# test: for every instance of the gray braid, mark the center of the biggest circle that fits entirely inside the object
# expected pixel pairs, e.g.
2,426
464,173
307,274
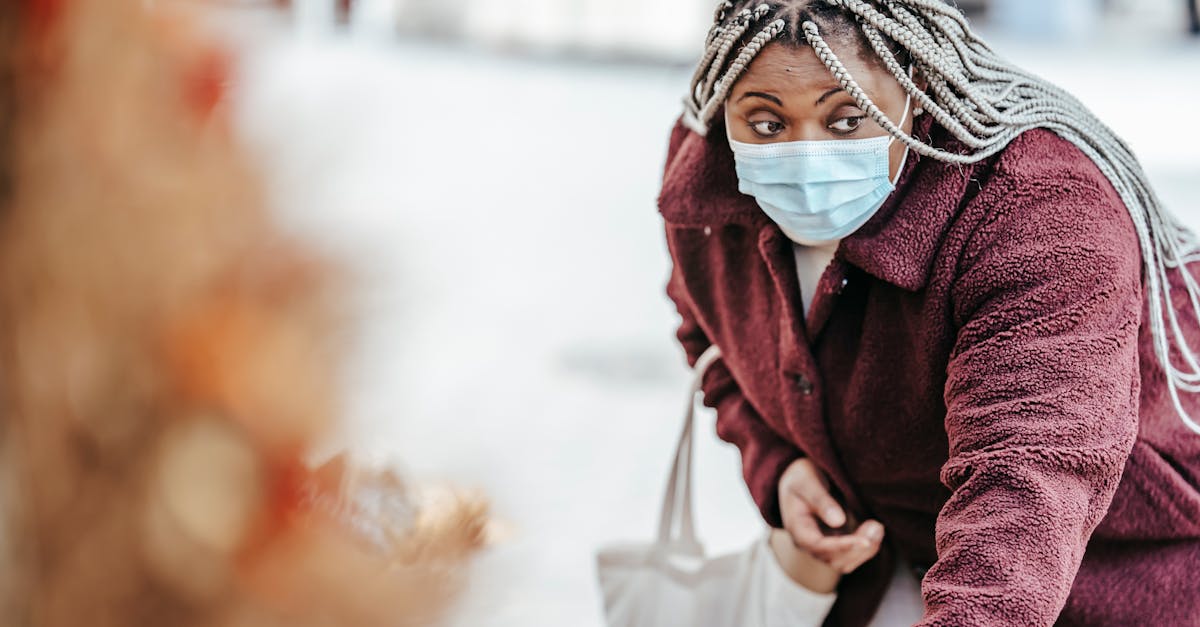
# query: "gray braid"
985,102
741,62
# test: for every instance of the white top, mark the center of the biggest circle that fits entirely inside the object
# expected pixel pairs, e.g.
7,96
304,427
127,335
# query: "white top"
811,262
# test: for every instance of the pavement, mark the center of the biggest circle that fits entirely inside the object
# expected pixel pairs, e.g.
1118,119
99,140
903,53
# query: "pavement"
512,335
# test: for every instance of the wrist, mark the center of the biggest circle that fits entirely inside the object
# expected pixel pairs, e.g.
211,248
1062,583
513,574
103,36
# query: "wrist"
801,566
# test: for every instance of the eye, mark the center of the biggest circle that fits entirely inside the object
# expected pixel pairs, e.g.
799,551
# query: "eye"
766,128
845,126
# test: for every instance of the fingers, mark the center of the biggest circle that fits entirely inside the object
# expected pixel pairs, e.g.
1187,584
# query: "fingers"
818,498
845,552
866,541
809,487
834,550
807,536
808,508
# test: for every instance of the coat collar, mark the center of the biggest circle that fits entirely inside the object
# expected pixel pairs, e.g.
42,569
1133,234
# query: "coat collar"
897,245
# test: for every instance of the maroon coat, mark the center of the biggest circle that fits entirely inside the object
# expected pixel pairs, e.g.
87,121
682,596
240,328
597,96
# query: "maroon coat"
973,373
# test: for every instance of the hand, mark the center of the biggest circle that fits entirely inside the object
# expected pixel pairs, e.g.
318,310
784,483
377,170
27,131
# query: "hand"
804,501
800,566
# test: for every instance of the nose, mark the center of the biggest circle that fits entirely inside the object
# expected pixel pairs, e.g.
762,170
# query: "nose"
810,130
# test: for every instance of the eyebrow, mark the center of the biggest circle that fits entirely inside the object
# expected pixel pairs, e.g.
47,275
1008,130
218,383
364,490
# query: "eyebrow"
828,94
759,94
764,96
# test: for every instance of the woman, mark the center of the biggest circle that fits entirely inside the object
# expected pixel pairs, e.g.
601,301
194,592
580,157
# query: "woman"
949,307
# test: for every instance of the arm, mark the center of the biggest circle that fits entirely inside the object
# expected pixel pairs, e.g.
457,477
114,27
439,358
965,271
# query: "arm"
1041,402
765,455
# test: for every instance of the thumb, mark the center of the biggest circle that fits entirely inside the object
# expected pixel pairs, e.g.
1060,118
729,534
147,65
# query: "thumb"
812,491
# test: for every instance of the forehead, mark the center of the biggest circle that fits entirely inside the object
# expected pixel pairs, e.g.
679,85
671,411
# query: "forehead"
782,69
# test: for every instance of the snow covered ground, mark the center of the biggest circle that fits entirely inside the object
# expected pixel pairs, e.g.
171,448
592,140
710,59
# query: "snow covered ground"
514,336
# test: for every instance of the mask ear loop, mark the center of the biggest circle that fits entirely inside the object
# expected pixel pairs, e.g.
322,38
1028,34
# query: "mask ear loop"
907,108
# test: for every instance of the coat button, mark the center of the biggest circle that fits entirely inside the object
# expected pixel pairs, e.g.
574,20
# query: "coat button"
804,384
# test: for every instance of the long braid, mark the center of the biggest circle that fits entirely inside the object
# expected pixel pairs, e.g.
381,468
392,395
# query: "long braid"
718,17
985,102
742,61
719,48
715,33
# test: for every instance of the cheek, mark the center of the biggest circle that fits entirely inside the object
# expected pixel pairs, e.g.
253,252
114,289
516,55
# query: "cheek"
729,128
732,129
896,157
897,151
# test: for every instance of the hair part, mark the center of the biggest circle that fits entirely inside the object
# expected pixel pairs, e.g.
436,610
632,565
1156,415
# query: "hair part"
741,30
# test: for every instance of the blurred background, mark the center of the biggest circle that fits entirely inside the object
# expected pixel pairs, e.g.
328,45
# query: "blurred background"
488,170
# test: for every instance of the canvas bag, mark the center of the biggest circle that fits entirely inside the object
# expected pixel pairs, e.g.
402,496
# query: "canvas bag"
671,582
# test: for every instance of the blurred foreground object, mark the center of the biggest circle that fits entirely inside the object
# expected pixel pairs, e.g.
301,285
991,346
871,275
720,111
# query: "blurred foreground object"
166,360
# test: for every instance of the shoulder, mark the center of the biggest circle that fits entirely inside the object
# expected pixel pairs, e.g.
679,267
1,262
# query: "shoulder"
1048,225
700,185
1044,189
1043,154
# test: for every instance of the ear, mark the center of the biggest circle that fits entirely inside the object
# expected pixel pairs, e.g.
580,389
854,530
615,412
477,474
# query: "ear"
920,80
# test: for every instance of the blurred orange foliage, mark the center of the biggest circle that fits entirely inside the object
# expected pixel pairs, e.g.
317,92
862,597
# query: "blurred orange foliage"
166,359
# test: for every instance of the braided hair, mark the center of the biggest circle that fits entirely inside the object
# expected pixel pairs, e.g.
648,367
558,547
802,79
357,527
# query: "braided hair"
980,98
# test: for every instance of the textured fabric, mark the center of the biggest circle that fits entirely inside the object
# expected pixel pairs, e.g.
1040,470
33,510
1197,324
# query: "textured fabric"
973,373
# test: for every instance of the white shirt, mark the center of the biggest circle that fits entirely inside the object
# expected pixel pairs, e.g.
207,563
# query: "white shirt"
811,262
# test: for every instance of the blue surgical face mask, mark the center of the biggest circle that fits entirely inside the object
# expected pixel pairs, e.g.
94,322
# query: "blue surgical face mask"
818,191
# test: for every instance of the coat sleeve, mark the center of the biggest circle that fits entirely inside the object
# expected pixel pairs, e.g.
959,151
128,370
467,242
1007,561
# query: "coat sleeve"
765,455
1041,401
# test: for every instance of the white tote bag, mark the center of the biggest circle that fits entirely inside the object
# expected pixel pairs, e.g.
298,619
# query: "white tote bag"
671,583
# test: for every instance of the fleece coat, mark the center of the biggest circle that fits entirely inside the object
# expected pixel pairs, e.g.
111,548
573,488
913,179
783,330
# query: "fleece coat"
974,372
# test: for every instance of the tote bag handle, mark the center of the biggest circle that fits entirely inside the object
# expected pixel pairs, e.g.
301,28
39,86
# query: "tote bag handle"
677,526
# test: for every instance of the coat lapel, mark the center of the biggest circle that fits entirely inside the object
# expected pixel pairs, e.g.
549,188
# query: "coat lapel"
807,424
899,243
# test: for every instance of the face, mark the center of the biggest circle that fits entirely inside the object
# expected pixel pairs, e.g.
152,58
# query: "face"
787,94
